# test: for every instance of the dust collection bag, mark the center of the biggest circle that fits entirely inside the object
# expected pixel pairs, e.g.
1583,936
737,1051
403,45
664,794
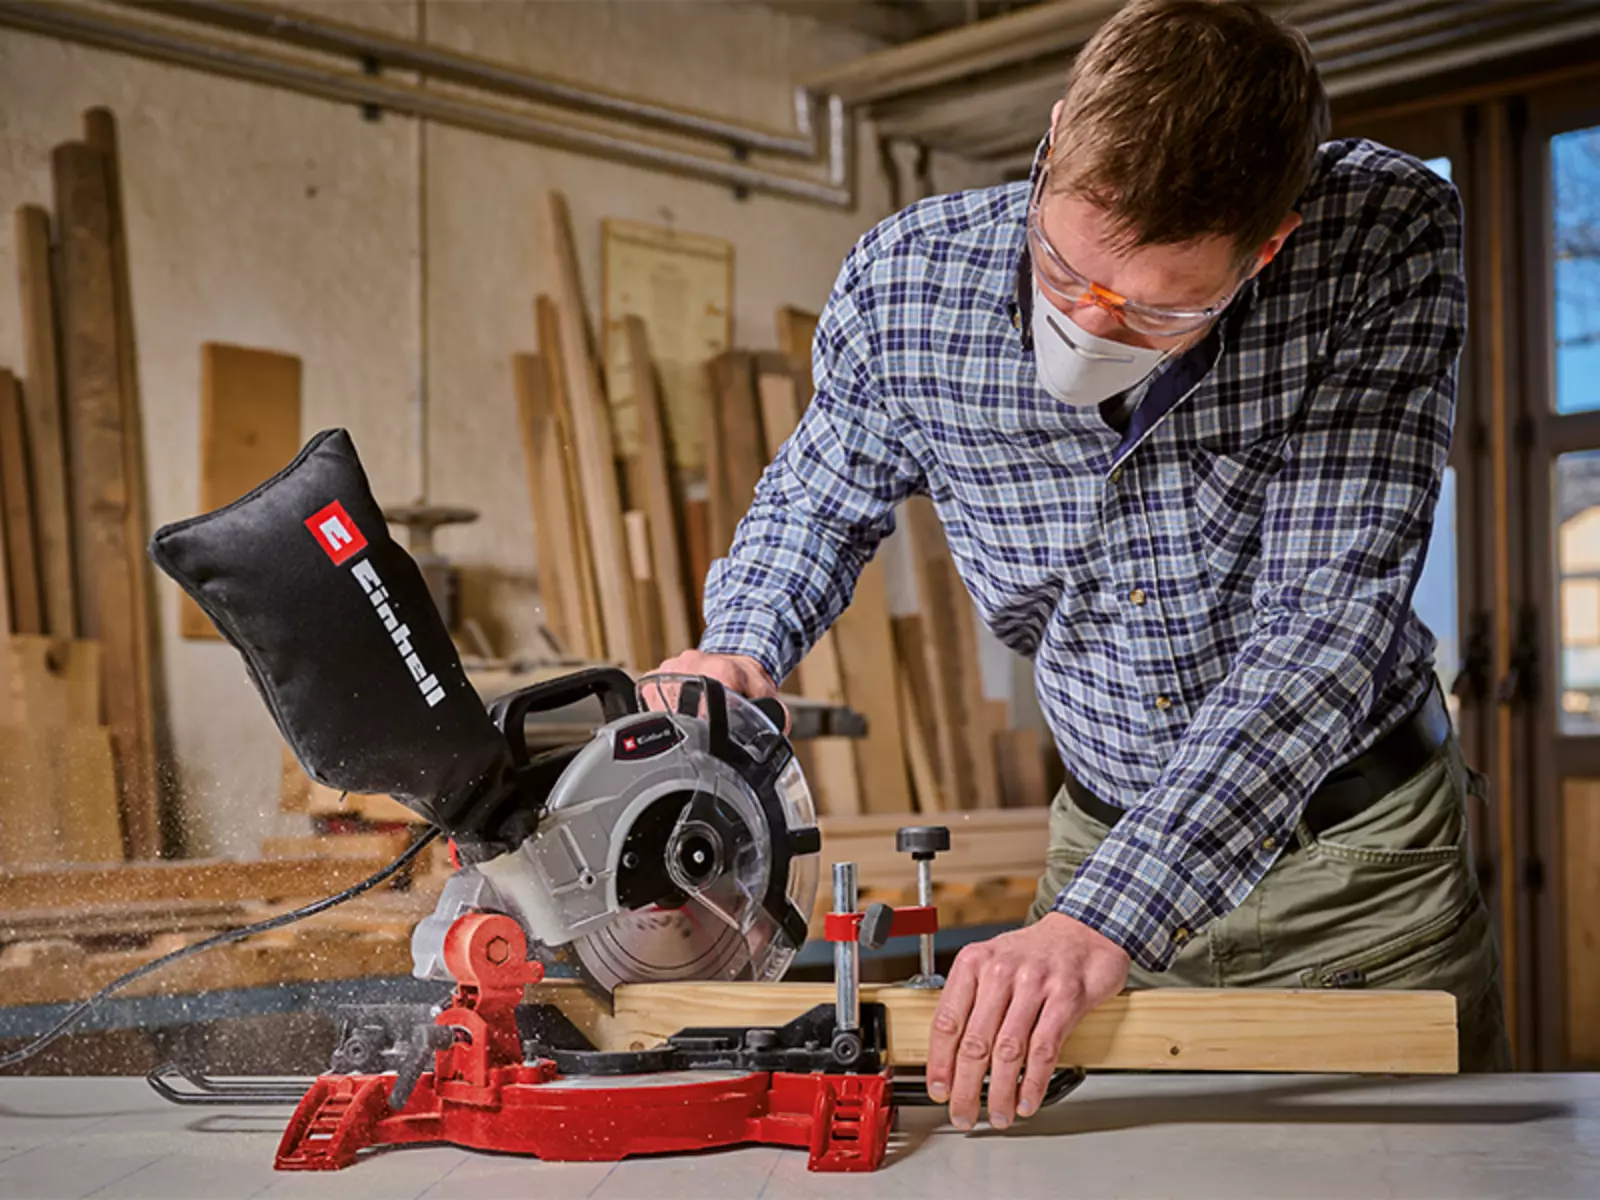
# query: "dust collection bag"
341,636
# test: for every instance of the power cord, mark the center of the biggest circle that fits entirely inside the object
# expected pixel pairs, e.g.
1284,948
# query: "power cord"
231,935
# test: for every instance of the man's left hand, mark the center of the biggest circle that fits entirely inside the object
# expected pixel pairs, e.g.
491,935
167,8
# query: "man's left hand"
1008,1004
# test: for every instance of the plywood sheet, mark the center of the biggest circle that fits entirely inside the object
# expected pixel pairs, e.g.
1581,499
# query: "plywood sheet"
249,431
681,285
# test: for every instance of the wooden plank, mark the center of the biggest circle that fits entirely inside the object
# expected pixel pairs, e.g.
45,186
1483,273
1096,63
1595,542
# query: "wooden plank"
990,844
42,403
1162,1029
1019,759
919,759
833,764
106,920
591,432
697,552
554,530
136,742
588,629
24,602
872,687
646,589
950,651
183,879
658,496
1580,908
797,330
58,796
49,681
108,591
249,431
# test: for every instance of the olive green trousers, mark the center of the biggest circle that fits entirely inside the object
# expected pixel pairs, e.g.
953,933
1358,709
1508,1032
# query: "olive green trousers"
1387,899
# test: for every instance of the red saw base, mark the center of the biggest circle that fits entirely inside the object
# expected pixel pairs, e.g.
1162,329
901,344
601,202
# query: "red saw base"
481,1095
843,1120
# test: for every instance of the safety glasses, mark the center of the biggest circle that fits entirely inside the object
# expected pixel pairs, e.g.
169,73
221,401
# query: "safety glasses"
1075,289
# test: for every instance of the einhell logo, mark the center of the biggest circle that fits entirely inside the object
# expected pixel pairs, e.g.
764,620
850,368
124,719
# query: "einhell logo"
339,538
645,739
336,533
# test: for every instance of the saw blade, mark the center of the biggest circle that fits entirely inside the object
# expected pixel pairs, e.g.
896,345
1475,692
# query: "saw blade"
662,945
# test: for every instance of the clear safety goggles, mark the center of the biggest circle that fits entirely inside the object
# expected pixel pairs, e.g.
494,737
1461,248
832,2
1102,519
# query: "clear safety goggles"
1074,289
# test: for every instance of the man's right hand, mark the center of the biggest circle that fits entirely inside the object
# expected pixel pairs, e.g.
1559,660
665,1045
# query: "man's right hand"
736,671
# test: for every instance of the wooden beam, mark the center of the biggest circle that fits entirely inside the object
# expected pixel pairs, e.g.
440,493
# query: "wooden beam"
249,431
187,879
659,498
588,630
1162,1029
591,433
23,600
110,588
43,406
554,530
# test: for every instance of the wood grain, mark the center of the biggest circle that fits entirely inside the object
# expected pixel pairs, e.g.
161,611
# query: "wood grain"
249,431
588,629
110,587
1580,907
24,602
1164,1029
555,529
43,406
49,681
58,796
591,432
659,496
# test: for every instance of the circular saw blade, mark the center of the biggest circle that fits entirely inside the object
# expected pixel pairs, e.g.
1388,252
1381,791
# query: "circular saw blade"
662,945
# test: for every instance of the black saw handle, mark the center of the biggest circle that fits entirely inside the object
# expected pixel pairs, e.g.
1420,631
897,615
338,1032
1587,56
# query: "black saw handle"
614,688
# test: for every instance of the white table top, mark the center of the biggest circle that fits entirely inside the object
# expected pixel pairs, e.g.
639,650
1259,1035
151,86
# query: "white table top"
1191,1136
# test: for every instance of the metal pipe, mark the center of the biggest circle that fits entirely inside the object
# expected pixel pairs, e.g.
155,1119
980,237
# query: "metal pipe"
367,46
163,45
846,954
925,899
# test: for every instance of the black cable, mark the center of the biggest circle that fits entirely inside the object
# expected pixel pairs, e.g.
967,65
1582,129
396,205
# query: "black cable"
231,935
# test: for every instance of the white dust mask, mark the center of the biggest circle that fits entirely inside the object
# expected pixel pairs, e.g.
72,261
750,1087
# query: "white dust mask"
1078,368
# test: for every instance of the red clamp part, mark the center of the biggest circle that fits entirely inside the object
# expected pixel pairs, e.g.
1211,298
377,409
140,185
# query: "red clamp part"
909,921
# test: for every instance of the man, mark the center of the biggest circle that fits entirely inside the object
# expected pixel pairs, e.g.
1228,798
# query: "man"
1183,401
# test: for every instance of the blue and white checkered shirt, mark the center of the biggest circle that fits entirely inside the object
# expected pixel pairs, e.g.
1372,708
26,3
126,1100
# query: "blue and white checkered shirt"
1217,600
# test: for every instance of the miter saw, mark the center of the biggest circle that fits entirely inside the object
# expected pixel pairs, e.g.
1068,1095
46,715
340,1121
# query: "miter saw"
679,842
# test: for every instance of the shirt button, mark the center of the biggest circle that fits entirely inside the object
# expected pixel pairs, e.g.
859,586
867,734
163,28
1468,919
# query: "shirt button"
1137,596
1116,475
1269,843
1163,703
1180,935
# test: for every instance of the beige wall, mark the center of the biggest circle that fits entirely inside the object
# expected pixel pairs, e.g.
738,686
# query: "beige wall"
275,220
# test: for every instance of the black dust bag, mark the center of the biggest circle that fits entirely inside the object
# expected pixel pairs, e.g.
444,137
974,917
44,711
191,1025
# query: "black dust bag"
341,637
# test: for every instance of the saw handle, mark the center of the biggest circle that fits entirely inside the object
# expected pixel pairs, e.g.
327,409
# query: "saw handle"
613,687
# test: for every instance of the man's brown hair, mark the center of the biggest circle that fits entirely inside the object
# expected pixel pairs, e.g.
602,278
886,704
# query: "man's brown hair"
1186,118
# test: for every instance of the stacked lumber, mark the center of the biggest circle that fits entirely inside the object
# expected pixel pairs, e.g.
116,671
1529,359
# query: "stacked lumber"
77,714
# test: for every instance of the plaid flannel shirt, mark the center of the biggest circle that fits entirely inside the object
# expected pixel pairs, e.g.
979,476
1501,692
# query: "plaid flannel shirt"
1216,600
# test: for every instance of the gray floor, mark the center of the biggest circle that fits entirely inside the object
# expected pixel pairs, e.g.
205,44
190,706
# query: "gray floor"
1189,1136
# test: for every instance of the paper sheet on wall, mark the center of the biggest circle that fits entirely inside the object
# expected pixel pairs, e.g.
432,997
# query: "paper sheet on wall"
681,284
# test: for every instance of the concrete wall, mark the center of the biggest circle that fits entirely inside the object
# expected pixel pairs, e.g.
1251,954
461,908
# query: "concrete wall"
399,262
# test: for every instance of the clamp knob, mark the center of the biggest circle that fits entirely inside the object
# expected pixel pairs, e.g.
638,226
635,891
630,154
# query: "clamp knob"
922,842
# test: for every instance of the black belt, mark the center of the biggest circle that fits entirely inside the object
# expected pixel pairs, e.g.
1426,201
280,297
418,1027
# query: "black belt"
1351,789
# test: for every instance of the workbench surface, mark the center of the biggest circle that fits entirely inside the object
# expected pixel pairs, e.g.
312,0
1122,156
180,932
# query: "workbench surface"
1226,1136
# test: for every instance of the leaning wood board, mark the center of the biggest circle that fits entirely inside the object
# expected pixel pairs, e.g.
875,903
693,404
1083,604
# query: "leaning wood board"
249,431
58,796
24,607
591,434
1162,1029
110,587
42,402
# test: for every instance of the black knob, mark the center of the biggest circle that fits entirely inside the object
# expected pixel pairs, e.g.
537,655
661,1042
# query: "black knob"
876,923
922,841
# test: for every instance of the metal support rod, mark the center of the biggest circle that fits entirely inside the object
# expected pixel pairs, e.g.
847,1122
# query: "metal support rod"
846,954
925,899
164,44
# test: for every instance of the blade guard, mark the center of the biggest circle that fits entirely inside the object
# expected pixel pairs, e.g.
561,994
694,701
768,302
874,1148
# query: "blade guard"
342,639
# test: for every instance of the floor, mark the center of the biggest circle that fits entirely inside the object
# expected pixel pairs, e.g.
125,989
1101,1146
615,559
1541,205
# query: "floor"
1196,1136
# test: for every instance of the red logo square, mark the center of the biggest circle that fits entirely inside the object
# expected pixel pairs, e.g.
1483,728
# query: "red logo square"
336,533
